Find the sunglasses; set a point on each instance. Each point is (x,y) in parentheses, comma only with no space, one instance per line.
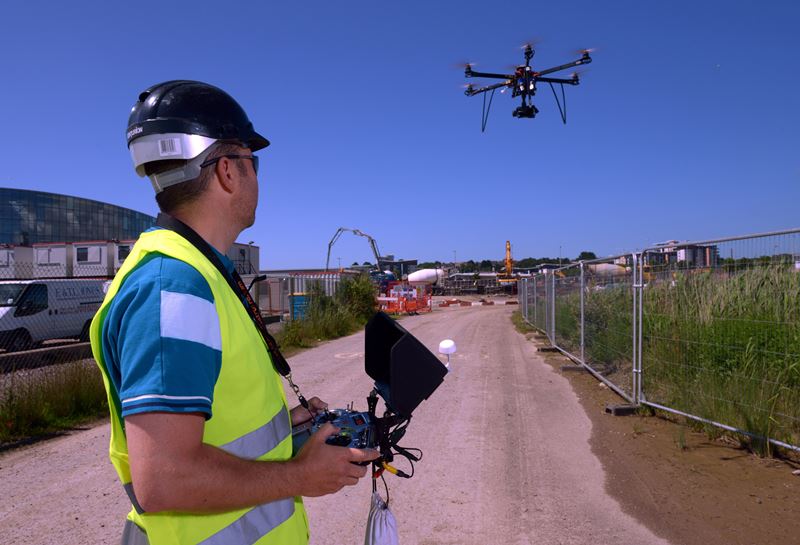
(253,158)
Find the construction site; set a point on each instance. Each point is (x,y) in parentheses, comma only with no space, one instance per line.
(452,273)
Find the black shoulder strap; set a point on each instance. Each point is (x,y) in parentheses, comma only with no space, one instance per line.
(236,284)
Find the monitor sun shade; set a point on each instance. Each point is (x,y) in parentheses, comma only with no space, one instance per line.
(395,357)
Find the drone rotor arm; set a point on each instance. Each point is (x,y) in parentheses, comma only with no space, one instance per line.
(579,62)
(473,74)
(473,92)
(570,81)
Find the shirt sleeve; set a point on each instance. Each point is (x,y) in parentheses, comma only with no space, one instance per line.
(162,338)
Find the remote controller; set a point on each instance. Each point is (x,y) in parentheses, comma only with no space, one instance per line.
(355,429)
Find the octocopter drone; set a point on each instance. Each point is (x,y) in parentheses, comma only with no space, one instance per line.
(523,84)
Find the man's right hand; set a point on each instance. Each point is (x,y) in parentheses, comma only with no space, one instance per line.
(325,469)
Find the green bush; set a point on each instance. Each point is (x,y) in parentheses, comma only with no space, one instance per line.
(332,317)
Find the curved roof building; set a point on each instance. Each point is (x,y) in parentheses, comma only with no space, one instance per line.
(31,217)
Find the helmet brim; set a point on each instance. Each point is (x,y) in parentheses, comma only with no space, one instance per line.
(257,142)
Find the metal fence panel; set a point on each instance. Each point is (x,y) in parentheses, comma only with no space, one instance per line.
(720,332)
(608,321)
(567,310)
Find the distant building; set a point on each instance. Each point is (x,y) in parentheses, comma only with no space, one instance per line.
(672,252)
(47,235)
(33,217)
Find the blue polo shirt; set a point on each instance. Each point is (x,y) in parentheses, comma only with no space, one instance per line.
(161,338)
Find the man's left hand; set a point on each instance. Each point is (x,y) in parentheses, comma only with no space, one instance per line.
(315,406)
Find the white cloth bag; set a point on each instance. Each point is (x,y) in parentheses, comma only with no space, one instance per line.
(381,526)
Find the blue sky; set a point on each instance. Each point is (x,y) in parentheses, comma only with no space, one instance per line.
(684,127)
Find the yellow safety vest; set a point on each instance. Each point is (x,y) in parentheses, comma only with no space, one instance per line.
(250,415)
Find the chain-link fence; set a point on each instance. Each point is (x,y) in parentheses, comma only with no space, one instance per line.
(709,330)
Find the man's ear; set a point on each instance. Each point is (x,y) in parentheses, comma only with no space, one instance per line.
(225,174)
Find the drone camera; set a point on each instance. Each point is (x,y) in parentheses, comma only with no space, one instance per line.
(528,112)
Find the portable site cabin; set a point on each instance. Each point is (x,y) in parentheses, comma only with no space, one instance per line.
(16,262)
(91,258)
(52,260)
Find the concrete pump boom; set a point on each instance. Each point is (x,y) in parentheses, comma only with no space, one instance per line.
(372,244)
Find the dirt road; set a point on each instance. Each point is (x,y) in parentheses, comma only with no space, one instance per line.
(506,442)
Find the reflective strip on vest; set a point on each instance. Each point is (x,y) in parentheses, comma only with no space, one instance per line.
(254,524)
(261,440)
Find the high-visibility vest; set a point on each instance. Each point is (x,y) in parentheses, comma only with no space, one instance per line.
(250,416)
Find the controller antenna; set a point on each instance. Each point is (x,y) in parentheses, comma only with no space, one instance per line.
(372,403)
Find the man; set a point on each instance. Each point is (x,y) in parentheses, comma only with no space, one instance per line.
(201,435)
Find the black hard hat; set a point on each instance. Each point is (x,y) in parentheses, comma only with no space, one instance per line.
(191,107)
(182,119)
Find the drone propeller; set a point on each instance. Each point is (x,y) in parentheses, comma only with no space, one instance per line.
(463,64)
(585,51)
(533,42)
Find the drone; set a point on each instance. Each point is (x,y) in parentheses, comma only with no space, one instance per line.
(523,84)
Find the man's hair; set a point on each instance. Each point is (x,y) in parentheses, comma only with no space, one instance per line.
(176,196)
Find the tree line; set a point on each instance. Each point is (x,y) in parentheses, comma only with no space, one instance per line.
(488,265)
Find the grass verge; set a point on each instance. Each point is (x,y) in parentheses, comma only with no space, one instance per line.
(520,324)
(42,401)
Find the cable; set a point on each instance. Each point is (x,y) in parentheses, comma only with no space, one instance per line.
(386,487)
(564,98)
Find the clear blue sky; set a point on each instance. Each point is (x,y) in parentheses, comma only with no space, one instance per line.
(684,127)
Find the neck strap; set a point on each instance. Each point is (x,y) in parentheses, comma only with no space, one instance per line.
(236,284)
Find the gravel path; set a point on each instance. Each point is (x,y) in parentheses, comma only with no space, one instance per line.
(507,456)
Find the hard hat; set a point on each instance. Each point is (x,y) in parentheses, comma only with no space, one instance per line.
(181,120)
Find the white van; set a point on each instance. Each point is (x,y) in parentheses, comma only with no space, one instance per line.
(32,311)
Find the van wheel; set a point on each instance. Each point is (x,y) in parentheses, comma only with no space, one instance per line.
(84,336)
(20,340)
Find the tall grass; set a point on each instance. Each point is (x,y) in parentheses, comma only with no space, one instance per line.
(723,345)
(42,401)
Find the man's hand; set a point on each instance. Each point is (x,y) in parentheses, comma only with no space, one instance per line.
(326,469)
(299,414)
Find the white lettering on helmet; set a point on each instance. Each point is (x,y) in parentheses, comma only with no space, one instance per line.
(134,131)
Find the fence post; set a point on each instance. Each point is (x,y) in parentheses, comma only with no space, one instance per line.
(636,284)
(583,321)
(640,392)
(553,309)
(523,295)
(535,303)
(527,297)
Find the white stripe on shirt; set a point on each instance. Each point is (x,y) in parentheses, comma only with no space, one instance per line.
(157,396)
(190,318)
